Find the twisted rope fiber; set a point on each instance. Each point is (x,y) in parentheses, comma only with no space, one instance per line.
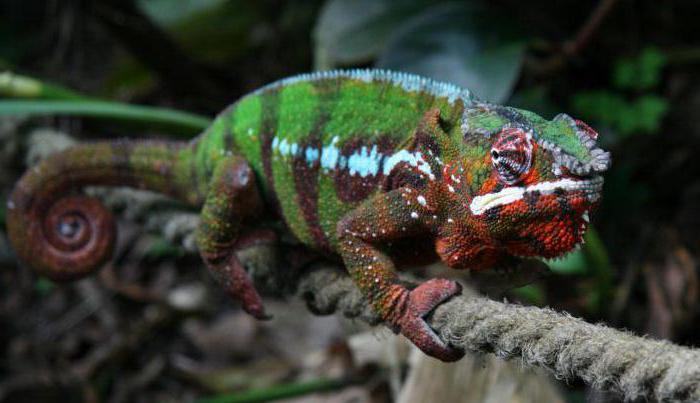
(609,359)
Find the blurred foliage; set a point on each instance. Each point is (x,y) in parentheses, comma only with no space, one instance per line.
(642,72)
(642,114)
(461,43)
(161,248)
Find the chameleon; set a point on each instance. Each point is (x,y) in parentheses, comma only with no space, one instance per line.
(379,169)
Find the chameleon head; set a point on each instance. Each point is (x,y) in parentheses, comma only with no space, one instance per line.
(536,183)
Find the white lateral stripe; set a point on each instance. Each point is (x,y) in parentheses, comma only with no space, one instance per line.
(514,193)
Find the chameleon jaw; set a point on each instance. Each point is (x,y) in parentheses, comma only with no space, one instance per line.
(592,188)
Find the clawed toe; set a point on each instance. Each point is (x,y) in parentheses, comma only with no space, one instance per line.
(422,301)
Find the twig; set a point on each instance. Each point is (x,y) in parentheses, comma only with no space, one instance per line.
(574,46)
(589,28)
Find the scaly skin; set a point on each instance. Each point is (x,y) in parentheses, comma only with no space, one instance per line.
(372,166)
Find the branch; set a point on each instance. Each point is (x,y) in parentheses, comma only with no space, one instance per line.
(605,358)
(589,28)
(575,45)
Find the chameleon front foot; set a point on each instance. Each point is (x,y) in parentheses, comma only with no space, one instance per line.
(421,301)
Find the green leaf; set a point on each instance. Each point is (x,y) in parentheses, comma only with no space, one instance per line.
(161,248)
(214,31)
(285,391)
(643,115)
(599,260)
(649,110)
(572,263)
(641,72)
(43,286)
(354,31)
(601,106)
(531,293)
(465,44)
(111,110)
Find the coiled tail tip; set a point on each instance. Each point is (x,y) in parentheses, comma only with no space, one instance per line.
(65,239)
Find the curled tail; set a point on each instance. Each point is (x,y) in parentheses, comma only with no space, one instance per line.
(65,235)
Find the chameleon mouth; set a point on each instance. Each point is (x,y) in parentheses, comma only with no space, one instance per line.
(590,187)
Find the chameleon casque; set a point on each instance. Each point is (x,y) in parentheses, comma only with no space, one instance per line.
(367,165)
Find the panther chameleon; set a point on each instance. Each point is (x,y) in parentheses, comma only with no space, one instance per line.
(375,167)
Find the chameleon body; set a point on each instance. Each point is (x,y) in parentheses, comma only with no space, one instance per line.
(375,167)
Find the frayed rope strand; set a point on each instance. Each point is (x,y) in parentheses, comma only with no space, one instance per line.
(605,358)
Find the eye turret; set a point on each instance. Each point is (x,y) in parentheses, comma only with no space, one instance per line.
(511,154)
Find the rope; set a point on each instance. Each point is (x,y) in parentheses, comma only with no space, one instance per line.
(605,358)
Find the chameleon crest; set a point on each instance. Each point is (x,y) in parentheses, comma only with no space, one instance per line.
(374,167)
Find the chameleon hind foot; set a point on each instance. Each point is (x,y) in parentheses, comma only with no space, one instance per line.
(421,302)
(233,198)
(231,275)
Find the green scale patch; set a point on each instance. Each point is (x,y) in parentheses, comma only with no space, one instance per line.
(297,113)
(246,123)
(210,150)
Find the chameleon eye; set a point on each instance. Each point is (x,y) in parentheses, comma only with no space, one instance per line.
(511,154)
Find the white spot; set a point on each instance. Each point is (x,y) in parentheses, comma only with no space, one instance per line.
(449,220)
(450,188)
(421,200)
(365,162)
(330,154)
(283,147)
(311,155)
(414,214)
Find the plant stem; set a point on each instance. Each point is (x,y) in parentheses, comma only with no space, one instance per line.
(284,391)
(106,109)
(600,260)
(19,86)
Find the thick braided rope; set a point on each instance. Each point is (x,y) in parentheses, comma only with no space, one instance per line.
(609,359)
